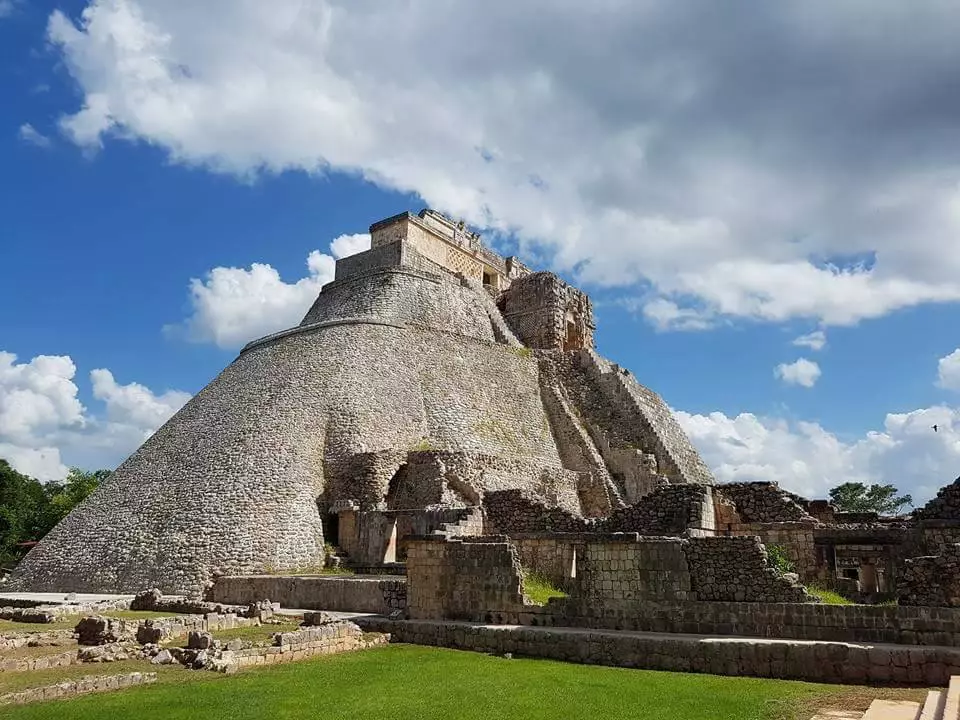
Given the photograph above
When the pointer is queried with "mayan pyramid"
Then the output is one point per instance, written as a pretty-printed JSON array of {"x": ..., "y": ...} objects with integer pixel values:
[{"x": 429, "y": 372}]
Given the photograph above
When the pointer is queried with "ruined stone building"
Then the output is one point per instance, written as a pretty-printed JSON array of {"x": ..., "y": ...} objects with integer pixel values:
[{"x": 432, "y": 386}]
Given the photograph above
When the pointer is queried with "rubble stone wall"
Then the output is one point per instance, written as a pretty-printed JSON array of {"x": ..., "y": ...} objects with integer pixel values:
[
  {"x": 83, "y": 686},
  {"x": 345, "y": 594},
  {"x": 763, "y": 502},
  {"x": 736, "y": 568},
  {"x": 945, "y": 506},
  {"x": 932, "y": 580}
]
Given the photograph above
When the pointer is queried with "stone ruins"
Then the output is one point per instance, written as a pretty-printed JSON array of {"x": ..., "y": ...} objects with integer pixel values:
[
  {"x": 441, "y": 424},
  {"x": 430, "y": 376}
]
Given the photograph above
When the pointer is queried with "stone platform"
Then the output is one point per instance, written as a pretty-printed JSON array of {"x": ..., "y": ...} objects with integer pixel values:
[{"x": 815, "y": 661}]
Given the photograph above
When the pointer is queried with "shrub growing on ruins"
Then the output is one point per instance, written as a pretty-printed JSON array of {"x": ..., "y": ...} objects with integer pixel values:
[
  {"x": 779, "y": 559},
  {"x": 828, "y": 597},
  {"x": 539, "y": 588}
]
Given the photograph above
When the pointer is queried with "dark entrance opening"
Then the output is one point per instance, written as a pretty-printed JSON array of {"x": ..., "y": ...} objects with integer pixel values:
[{"x": 331, "y": 529}]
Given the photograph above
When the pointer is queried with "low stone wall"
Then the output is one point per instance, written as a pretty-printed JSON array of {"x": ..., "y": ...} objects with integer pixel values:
[
  {"x": 932, "y": 580},
  {"x": 12, "y": 641},
  {"x": 299, "y": 645},
  {"x": 831, "y": 662},
  {"x": 311, "y": 592},
  {"x": 83, "y": 686},
  {"x": 38, "y": 663},
  {"x": 800, "y": 621},
  {"x": 462, "y": 580}
]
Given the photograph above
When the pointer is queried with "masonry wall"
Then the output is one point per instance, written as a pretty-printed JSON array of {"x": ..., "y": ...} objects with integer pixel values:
[
  {"x": 346, "y": 594},
  {"x": 739, "y": 657},
  {"x": 462, "y": 580},
  {"x": 932, "y": 580},
  {"x": 404, "y": 295}
]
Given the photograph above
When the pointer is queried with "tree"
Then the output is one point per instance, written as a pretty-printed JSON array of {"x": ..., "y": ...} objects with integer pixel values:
[
  {"x": 76, "y": 488},
  {"x": 23, "y": 511},
  {"x": 29, "y": 509},
  {"x": 858, "y": 497}
]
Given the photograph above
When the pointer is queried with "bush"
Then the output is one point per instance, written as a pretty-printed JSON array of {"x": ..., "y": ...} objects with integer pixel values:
[
  {"x": 779, "y": 559},
  {"x": 539, "y": 589},
  {"x": 828, "y": 597}
]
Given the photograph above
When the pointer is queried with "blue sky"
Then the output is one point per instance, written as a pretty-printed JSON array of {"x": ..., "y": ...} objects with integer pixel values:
[{"x": 710, "y": 232}]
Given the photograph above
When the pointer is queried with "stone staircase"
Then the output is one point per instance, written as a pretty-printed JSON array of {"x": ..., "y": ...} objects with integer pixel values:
[{"x": 938, "y": 705}]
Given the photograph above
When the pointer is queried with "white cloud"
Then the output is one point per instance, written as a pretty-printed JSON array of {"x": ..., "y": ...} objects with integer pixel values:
[
  {"x": 7, "y": 8},
  {"x": 346, "y": 245},
  {"x": 135, "y": 404},
  {"x": 802, "y": 372},
  {"x": 232, "y": 306},
  {"x": 948, "y": 371},
  {"x": 712, "y": 190},
  {"x": 807, "y": 459},
  {"x": 43, "y": 425},
  {"x": 29, "y": 134},
  {"x": 816, "y": 340}
]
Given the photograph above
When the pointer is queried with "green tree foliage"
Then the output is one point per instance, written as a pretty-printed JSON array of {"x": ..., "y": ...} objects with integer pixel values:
[
  {"x": 29, "y": 509},
  {"x": 858, "y": 497}
]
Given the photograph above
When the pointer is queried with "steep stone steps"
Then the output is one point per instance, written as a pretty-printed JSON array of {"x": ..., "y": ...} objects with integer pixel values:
[
  {"x": 951, "y": 707},
  {"x": 892, "y": 710},
  {"x": 933, "y": 706}
]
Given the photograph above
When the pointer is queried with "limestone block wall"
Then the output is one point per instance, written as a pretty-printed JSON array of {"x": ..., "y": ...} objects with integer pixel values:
[
  {"x": 461, "y": 580},
  {"x": 404, "y": 295},
  {"x": 546, "y": 313},
  {"x": 553, "y": 556},
  {"x": 796, "y": 538},
  {"x": 932, "y": 580},
  {"x": 344, "y": 594},
  {"x": 671, "y": 510},
  {"x": 736, "y": 568},
  {"x": 633, "y": 568}
]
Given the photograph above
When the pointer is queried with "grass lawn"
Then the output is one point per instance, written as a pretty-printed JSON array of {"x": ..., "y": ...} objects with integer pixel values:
[
  {"x": 405, "y": 681},
  {"x": 256, "y": 634}
]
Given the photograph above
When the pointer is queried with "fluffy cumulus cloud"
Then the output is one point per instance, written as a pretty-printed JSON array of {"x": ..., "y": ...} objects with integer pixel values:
[
  {"x": 232, "y": 306},
  {"x": 948, "y": 371},
  {"x": 801, "y": 372},
  {"x": 807, "y": 459},
  {"x": 816, "y": 340},
  {"x": 718, "y": 161},
  {"x": 43, "y": 424}
]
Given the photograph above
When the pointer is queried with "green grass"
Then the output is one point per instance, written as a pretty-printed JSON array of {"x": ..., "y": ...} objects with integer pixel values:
[
  {"x": 829, "y": 597},
  {"x": 539, "y": 589},
  {"x": 259, "y": 635},
  {"x": 402, "y": 681}
]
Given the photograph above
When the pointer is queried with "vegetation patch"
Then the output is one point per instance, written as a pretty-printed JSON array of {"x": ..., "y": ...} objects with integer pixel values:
[
  {"x": 450, "y": 685},
  {"x": 539, "y": 589},
  {"x": 256, "y": 634},
  {"x": 829, "y": 597}
]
